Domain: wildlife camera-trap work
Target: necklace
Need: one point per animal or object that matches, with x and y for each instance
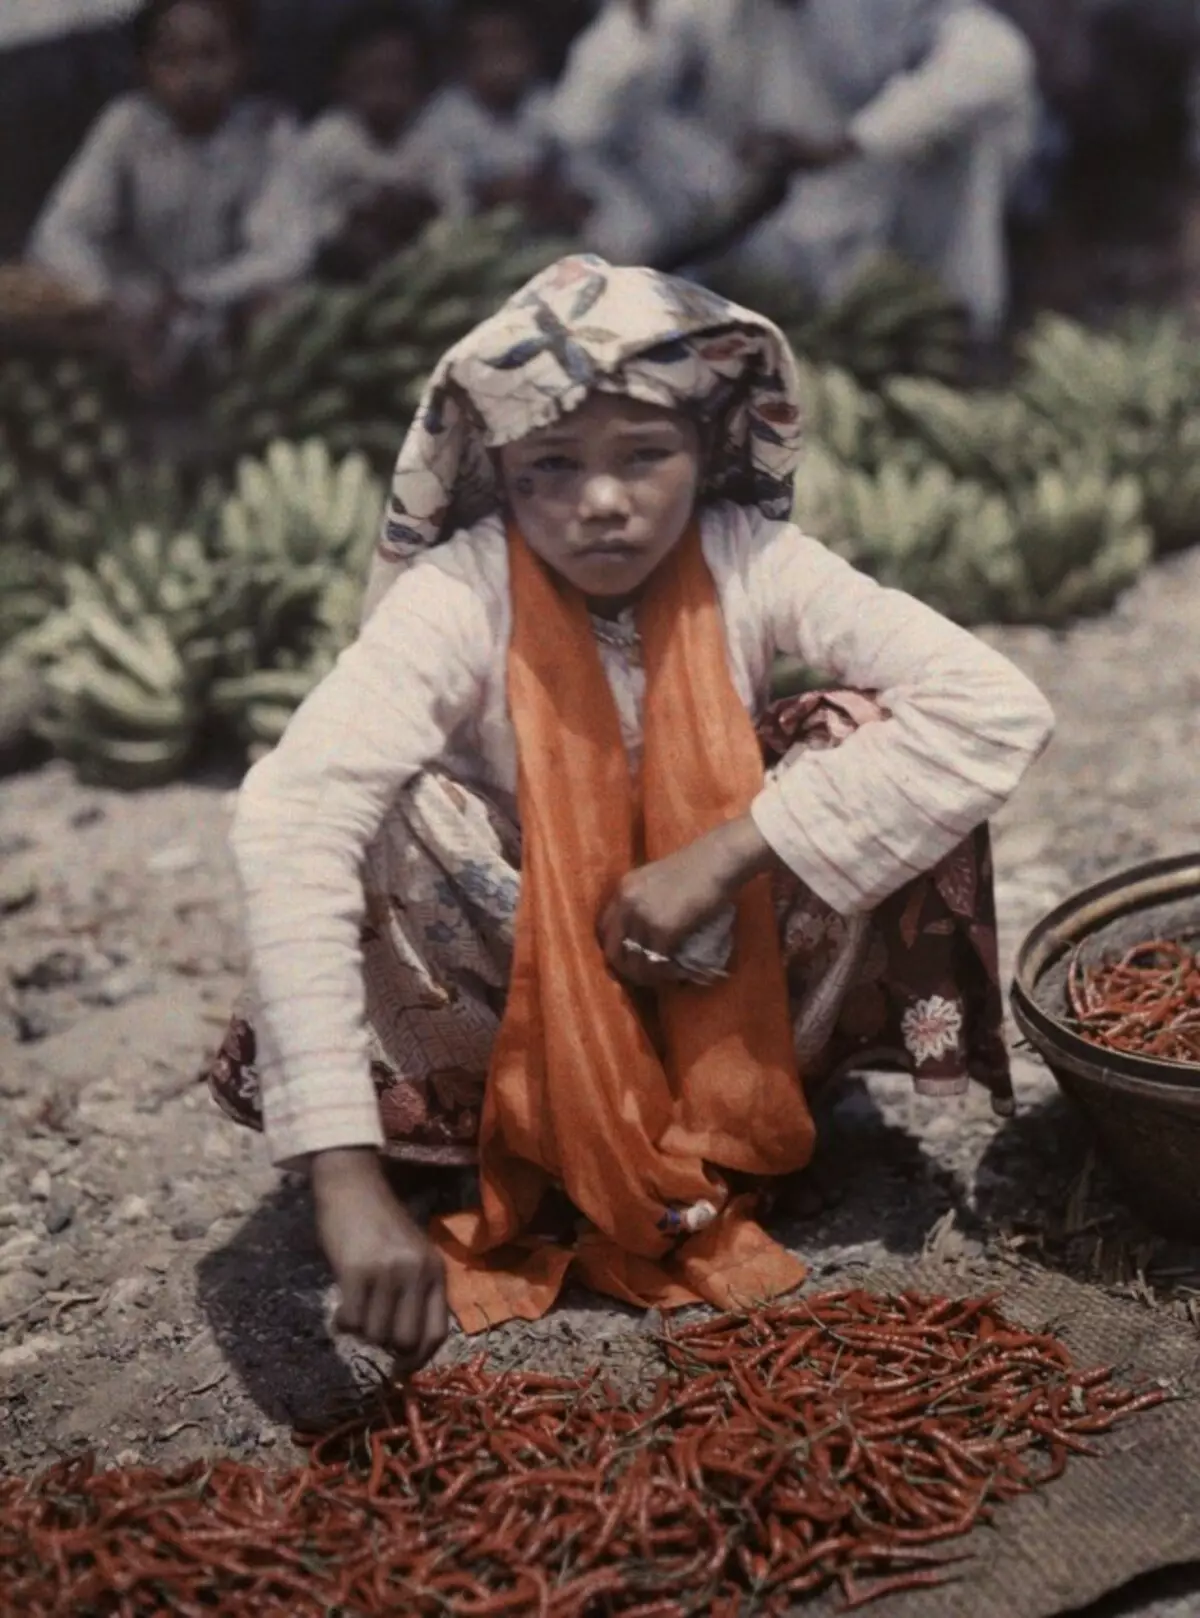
(620, 632)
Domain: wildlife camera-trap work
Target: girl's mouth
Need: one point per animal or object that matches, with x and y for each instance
(610, 550)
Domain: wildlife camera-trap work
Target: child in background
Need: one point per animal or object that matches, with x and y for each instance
(370, 166)
(538, 879)
(169, 214)
(495, 121)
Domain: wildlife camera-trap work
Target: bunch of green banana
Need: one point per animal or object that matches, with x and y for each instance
(1082, 539)
(258, 706)
(61, 428)
(1066, 543)
(299, 529)
(122, 700)
(996, 438)
(892, 320)
(349, 365)
(298, 506)
(29, 588)
(1170, 482)
(849, 419)
(1145, 376)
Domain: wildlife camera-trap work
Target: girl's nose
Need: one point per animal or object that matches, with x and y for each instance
(602, 497)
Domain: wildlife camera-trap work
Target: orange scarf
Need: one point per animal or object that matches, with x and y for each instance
(578, 1095)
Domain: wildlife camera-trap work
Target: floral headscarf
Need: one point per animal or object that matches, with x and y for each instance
(582, 326)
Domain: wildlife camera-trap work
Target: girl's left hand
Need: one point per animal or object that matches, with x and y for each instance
(660, 905)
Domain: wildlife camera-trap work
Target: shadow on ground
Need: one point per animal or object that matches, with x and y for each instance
(1171, 1593)
(263, 1296)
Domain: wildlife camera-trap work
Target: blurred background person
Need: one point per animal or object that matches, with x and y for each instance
(629, 97)
(371, 167)
(900, 124)
(495, 121)
(168, 215)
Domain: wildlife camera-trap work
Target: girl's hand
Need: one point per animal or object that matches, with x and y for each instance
(389, 1274)
(660, 905)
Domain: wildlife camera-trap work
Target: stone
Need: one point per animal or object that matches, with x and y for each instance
(60, 1211)
(60, 969)
(31, 1352)
(17, 1248)
(190, 1230)
(115, 988)
(40, 1186)
(90, 815)
(132, 1209)
(32, 1025)
(12, 1213)
(174, 860)
(18, 1289)
(125, 1293)
(18, 891)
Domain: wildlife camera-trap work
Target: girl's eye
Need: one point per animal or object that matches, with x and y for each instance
(652, 454)
(554, 464)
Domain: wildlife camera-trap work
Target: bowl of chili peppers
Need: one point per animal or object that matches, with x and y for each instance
(1107, 990)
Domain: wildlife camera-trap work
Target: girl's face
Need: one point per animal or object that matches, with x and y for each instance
(195, 65)
(604, 495)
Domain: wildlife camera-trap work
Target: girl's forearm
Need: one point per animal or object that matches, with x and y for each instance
(741, 852)
(344, 1165)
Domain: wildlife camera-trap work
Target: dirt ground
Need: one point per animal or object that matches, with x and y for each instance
(160, 1292)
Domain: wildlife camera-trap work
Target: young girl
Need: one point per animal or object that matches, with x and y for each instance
(519, 890)
(171, 214)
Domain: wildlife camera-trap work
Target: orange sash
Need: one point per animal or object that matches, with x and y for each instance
(578, 1096)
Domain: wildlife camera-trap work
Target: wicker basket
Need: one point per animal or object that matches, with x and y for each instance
(1145, 1112)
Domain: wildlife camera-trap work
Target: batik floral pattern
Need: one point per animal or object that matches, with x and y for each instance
(932, 1029)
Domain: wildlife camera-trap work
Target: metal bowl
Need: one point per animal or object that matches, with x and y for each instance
(1145, 1112)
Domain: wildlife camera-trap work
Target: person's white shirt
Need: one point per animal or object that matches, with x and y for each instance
(340, 165)
(142, 204)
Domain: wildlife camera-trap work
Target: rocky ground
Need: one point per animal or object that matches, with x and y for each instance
(160, 1292)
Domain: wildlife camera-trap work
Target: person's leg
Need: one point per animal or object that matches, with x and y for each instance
(954, 209)
(915, 984)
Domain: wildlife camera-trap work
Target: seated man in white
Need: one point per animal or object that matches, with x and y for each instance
(903, 125)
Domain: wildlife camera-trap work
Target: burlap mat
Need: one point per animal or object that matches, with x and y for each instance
(1106, 1521)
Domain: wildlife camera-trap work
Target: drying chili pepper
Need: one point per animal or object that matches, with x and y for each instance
(842, 1439)
(1145, 1004)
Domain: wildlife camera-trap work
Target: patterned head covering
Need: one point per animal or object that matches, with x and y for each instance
(583, 326)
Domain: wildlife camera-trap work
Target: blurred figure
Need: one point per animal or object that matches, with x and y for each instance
(371, 168)
(624, 97)
(495, 123)
(168, 217)
(900, 124)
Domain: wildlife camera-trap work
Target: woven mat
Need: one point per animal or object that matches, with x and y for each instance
(1106, 1521)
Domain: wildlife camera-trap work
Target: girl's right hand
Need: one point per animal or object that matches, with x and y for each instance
(391, 1278)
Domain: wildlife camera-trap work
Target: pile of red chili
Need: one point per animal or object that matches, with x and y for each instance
(1145, 1004)
(844, 1437)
